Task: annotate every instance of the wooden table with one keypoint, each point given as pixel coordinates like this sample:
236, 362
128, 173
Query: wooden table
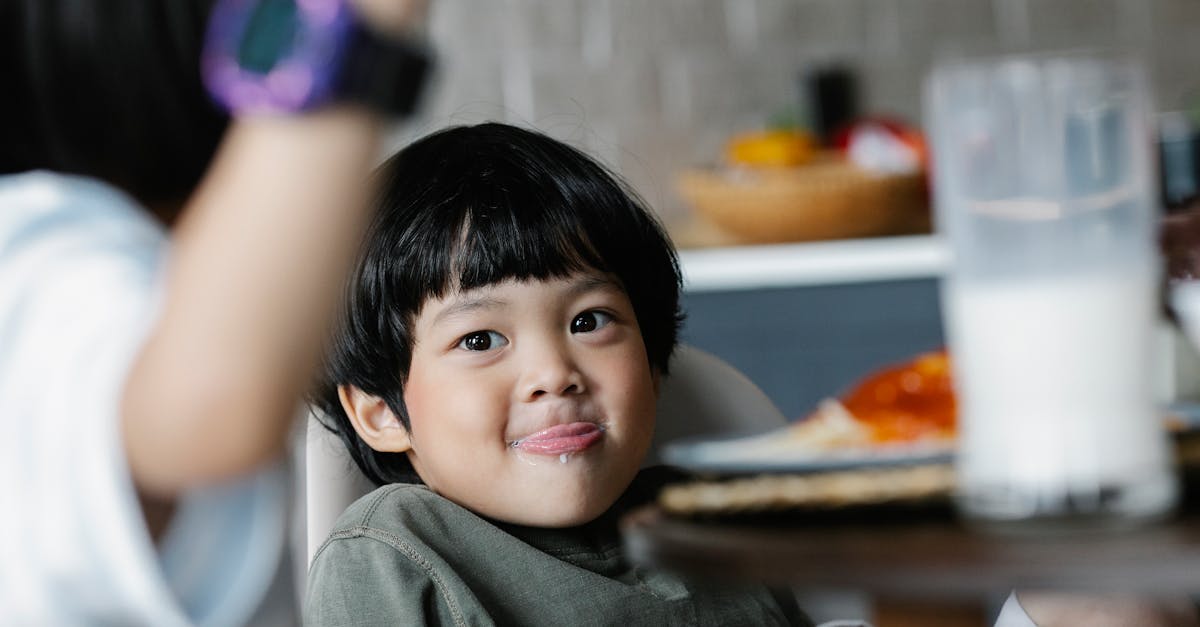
932, 557
931, 564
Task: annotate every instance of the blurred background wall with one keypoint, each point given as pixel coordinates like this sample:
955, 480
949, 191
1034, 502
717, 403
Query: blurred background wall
651, 86
654, 86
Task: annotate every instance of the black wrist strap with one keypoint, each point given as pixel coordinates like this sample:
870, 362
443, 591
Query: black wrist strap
385, 74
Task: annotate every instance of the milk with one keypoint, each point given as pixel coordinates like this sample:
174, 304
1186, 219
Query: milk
1056, 403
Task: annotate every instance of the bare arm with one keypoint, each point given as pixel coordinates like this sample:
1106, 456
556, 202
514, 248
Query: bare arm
252, 283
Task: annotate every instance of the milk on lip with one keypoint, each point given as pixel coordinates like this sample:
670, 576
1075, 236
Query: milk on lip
536, 458
561, 441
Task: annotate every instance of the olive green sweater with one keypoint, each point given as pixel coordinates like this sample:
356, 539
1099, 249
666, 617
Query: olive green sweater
403, 555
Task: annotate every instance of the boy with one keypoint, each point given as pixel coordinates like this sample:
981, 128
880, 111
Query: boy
496, 372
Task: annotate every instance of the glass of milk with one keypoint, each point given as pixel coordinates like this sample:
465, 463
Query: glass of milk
1045, 197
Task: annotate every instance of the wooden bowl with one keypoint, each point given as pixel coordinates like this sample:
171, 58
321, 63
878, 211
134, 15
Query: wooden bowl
828, 199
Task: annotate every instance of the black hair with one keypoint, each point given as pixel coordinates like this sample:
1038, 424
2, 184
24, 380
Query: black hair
472, 206
109, 89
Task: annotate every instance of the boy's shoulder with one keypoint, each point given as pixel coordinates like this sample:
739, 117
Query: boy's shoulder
420, 527
395, 551
401, 509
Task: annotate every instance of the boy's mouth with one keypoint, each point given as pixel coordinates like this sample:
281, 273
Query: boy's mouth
560, 439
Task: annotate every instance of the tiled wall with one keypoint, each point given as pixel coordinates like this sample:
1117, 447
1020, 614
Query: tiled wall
650, 86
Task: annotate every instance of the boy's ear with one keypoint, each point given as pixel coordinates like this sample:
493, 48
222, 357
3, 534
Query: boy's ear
374, 421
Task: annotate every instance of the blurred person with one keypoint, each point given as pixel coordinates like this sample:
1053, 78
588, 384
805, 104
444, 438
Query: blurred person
496, 374
147, 390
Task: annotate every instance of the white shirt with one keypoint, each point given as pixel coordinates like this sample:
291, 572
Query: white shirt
79, 266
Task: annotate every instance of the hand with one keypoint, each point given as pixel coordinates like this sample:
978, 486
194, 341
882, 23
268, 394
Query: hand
1050, 609
394, 17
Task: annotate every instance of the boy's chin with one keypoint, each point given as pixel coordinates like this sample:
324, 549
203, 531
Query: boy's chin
549, 512
556, 520
537, 499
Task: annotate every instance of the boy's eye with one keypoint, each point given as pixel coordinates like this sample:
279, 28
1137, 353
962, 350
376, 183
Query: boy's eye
589, 321
482, 341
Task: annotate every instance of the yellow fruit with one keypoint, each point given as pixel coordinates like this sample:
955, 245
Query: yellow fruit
771, 148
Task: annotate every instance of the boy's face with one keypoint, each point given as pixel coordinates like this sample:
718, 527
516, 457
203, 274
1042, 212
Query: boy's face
530, 402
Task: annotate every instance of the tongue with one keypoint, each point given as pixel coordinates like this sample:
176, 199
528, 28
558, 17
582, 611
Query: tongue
570, 438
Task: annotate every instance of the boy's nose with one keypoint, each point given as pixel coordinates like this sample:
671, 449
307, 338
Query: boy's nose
551, 372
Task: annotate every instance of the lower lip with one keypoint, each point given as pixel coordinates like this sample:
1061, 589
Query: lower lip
561, 439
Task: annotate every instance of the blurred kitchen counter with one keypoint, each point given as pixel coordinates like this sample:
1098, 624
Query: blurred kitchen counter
805, 320
713, 262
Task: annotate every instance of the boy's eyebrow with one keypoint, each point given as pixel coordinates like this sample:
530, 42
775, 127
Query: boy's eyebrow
592, 282
584, 285
467, 305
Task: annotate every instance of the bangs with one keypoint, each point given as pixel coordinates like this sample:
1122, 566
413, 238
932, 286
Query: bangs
512, 224
495, 246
